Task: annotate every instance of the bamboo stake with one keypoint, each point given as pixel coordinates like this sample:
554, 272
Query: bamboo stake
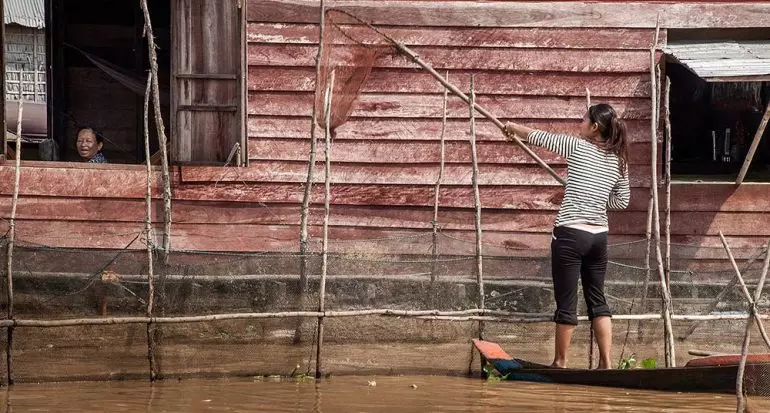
669, 334
476, 200
308, 190
667, 180
752, 304
325, 242
477, 218
741, 403
12, 239
149, 233
754, 144
591, 327
437, 189
160, 130
502, 316
3, 97
457, 92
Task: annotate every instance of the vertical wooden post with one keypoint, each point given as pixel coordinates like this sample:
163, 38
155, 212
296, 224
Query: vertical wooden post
325, 241
477, 205
437, 189
12, 239
754, 144
667, 180
149, 234
669, 334
747, 335
476, 202
162, 141
2, 81
590, 327
308, 190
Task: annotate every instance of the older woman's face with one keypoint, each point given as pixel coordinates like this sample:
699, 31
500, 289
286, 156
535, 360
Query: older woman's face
87, 144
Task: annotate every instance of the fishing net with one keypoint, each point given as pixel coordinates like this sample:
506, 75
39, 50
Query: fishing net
408, 273
351, 61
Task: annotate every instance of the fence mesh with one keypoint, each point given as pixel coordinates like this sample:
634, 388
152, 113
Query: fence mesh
66, 284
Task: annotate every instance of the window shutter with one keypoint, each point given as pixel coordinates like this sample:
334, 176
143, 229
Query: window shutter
207, 109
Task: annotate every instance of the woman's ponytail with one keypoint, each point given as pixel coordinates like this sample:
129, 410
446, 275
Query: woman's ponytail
613, 131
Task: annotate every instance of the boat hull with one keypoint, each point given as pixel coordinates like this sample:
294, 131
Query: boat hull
701, 378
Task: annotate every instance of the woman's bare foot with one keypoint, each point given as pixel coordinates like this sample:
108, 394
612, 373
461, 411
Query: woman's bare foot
603, 366
559, 365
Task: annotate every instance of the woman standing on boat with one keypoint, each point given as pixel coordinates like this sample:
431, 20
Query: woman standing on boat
597, 180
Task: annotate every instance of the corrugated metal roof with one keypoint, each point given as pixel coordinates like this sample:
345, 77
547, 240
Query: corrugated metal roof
724, 61
30, 13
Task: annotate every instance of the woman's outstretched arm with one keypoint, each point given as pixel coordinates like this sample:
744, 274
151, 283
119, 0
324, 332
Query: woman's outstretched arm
564, 145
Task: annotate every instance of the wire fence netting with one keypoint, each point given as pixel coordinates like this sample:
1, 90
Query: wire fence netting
363, 277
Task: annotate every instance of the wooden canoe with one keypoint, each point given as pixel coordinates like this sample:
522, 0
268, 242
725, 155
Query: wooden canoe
715, 374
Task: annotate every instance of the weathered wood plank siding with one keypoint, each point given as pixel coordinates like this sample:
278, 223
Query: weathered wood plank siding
386, 157
532, 62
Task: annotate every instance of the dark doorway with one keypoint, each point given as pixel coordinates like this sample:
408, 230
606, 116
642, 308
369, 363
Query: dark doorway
97, 73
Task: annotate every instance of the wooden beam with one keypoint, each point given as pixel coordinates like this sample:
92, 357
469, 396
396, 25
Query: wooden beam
684, 15
560, 38
403, 80
423, 106
754, 144
420, 174
471, 58
387, 129
376, 151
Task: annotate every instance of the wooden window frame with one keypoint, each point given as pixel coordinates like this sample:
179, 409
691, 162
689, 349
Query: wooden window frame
238, 154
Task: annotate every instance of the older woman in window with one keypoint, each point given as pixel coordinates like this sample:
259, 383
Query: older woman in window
89, 145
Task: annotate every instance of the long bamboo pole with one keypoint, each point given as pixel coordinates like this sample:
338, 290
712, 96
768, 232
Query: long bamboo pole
325, 242
161, 130
492, 315
437, 189
747, 294
308, 190
477, 206
457, 92
591, 327
3, 97
669, 334
667, 180
149, 234
754, 144
476, 201
741, 403
12, 239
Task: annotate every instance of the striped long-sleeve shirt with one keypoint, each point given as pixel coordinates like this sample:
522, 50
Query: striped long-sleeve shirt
594, 182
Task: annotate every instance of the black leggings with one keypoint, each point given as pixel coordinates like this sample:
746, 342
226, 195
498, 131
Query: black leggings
578, 254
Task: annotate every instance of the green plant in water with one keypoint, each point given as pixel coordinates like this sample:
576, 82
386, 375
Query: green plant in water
303, 377
631, 363
492, 373
628, 363
649, 363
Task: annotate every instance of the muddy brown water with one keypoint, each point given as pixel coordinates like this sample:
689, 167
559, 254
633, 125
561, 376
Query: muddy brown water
417, 394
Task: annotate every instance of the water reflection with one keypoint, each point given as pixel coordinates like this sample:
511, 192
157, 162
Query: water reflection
353, 394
